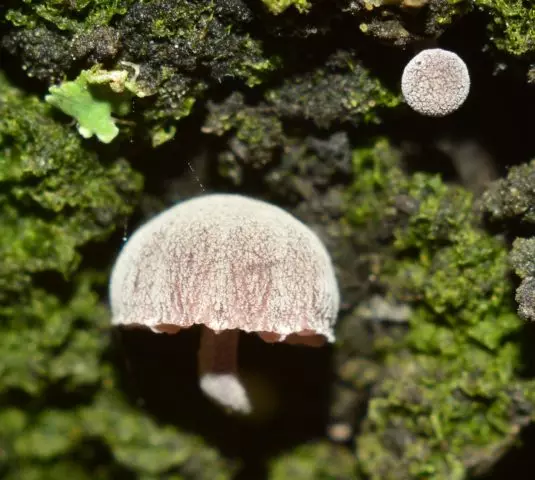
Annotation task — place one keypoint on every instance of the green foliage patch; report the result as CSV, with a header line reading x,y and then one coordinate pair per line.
x,y
62,410
453,396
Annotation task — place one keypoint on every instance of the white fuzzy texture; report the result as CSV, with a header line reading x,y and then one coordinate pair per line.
x,y
227,391
228,262
435,82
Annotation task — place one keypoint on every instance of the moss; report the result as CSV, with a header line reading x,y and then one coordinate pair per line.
x,y
60,346
508,203
452,397
513,24
512,198
444,418
70,16
62,407
319,460
259,132
343,91
445,12
279,6
55,196
51,36
256,132
191,36
523,257
178,48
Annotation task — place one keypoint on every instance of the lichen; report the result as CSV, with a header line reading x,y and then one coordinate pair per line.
x,y
508,204
512,198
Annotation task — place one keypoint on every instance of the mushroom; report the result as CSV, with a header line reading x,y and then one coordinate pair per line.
x,y
228,263
435,82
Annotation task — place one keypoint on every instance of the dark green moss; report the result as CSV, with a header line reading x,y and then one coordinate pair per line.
x,y
523,257
177,48
279,6
261,133
51,36
319,461
70,16
452,396
512,24
254,134
54,335
55,195
343,91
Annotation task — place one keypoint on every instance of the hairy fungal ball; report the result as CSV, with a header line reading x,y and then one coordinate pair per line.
x,y
228,263
435,82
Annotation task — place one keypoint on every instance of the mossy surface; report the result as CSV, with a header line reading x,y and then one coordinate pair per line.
x,y
296,102
316,460
56,198
178,48
453,396
512,23
509,202
69,16
279,6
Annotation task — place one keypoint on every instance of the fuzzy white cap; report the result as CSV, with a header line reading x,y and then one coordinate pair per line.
x,y
227,262
435,82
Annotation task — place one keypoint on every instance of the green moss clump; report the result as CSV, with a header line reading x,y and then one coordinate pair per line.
x,y
343,91
70,16
55,196
184,48
198,38
62,408
523,257
319,460
51,36
452,399
57,347
178,49
255,133
260,133
279,6
513,24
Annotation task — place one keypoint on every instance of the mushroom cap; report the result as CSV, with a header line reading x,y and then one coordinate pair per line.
x,y
227,262
435,82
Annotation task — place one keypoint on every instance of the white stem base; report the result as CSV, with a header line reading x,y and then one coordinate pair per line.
x,y
218,370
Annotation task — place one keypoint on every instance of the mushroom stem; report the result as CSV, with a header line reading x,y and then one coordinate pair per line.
x,y
218,370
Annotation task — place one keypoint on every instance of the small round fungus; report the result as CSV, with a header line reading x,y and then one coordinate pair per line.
x,y
435,82
228,263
